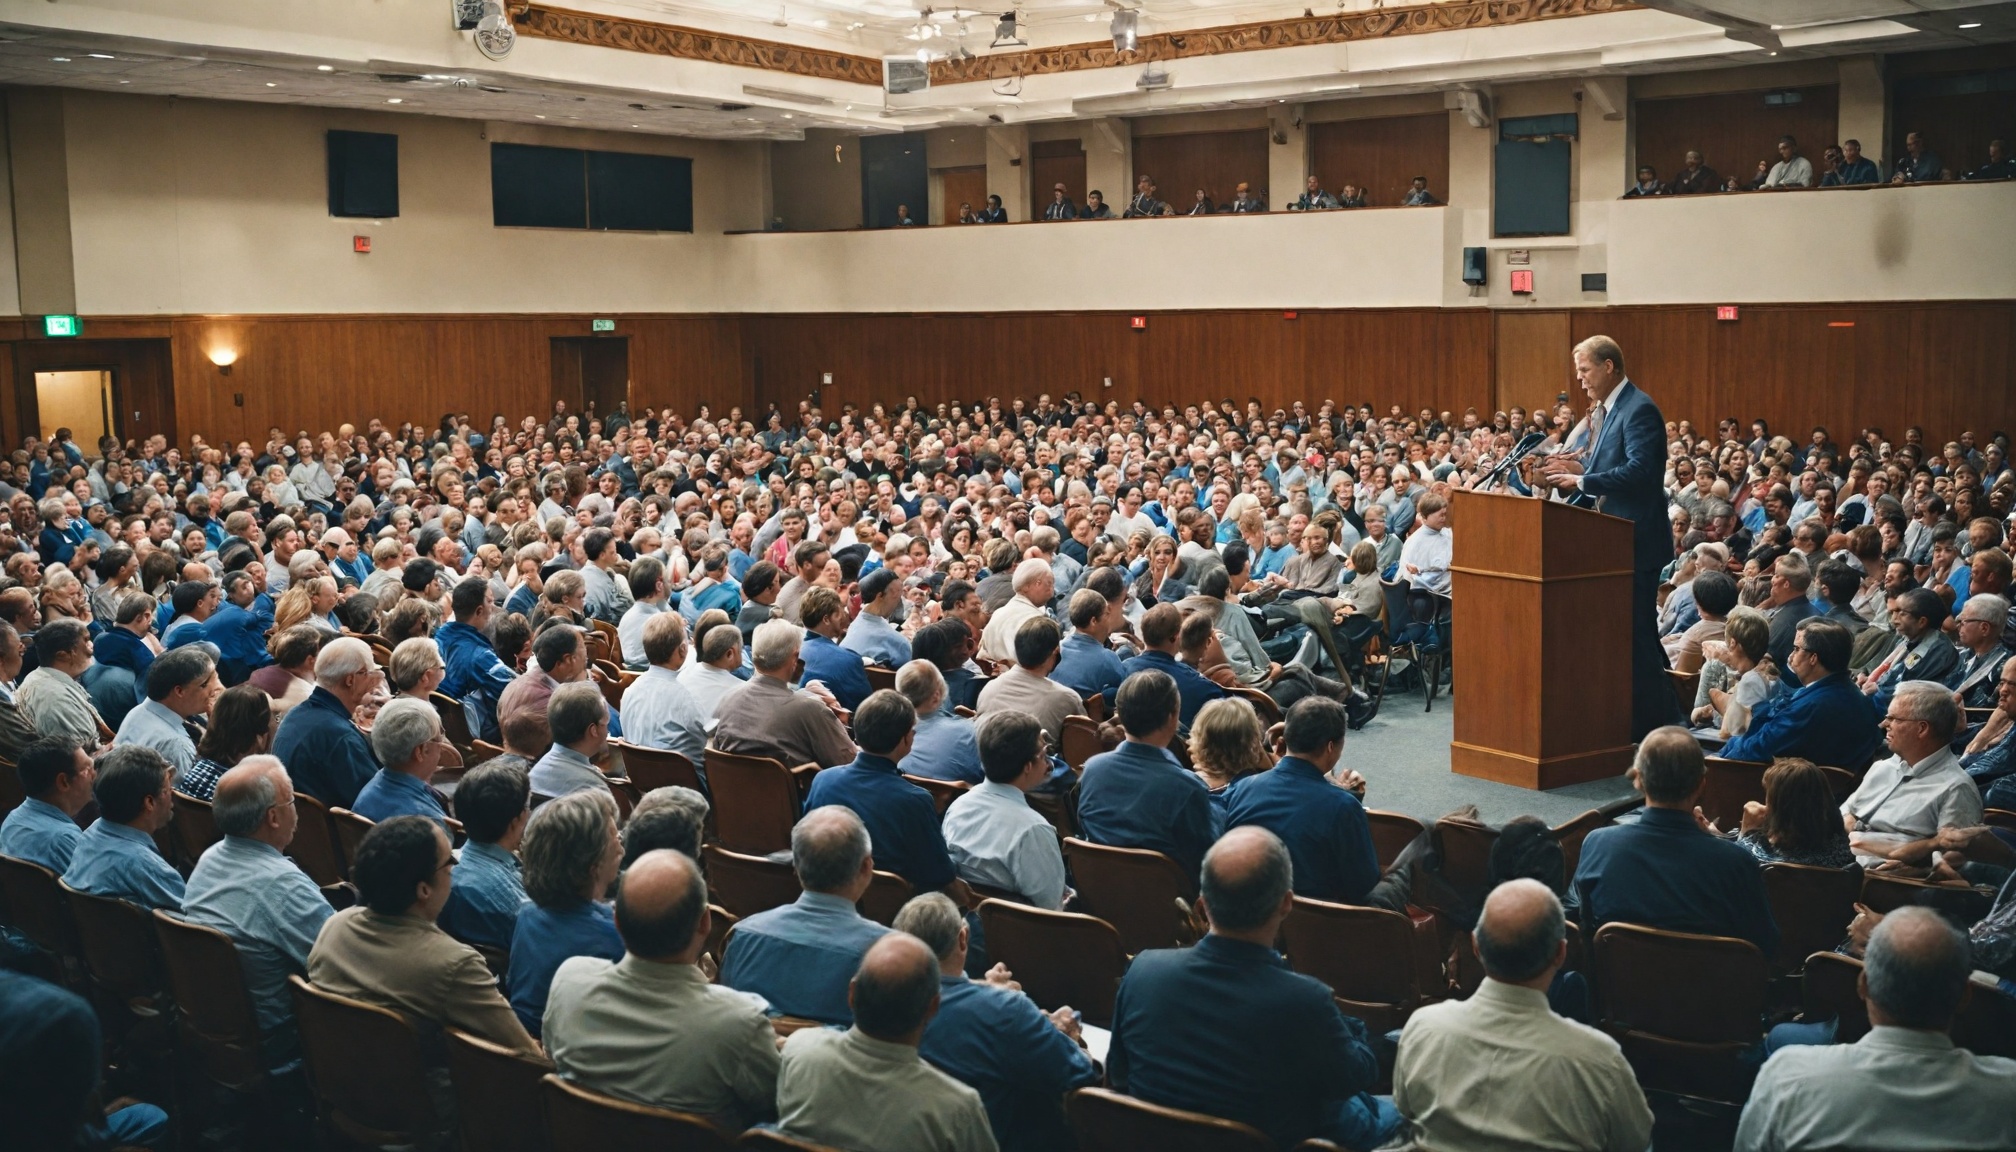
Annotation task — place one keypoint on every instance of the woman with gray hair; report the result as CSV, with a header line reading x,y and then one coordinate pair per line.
x,y
406,737
571,854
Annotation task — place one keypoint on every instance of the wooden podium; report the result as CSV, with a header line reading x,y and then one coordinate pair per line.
x,y
1542,625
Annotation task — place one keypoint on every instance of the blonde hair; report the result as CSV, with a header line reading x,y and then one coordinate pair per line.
x,y
1227,741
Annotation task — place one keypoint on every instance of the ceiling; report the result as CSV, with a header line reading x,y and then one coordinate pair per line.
x,y
398,59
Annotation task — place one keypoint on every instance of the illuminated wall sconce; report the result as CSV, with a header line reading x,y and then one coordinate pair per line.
x,y
223,358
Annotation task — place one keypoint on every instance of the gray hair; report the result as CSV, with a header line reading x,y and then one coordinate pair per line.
x,y
934,919
344,656
1931,702
1988,608
1670,764
775,644
669,817
238,811
412,659
403,727
1600,348
920,682
563,845
1032,572
1916,966
827,848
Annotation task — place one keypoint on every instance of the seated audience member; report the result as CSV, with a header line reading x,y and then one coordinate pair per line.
x,y
651,597
1792,170
1694,177
571,851
51,1060
1317,811
669,817
579,719
1085,664
1061,206
1787,607
290,679
993,213
1826,720
1243,201
1029,686
488,892
1903,801
1980,650
801,956
179,685
768,717
1418,195
873,635
716,672
1226,1029
1744,657
389,951
658,710
116,856
987,1034
944,746
1313,197
901,818
841,671
474,670
56,703
994,837
1227,744
1096,207
1991,754
648,1027
1035,585
1714,596
57,777
867,1087
1798,821
326,756
1139,795
1667,871
1352,197
1903,1085
244,887
2000,165
1648,183
406,737
1918,165
1162,633
1854,168
1922,653
1500,1069
1145,203
241,725
1840,585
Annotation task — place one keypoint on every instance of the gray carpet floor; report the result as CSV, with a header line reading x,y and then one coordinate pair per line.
x,y
1404,756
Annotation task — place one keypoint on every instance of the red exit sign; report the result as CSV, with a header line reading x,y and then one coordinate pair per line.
x,y
1138,323
360,244
1725,312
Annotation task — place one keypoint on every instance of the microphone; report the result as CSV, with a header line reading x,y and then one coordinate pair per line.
x,y
1524,448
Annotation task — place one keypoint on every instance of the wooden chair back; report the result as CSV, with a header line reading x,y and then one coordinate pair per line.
x,y
658,768
880,678
1080,742
943,792
1263,704
624,792
1841,782
771,1140
120,950
1369,958
1465,846
1106,1121
720,922
213,1005
1883,892
1812,907
499,1103
366,1068
1683,1007
1686,685
1060,809
1829,991
1570,835
1391,832
746,885
886,895
33,898
350,831
481,750
454,723
314,847
1059,958
1986,1025
577,1118
11,794
194,826
755,802
1727,785
1142,893
1999,818
1095,707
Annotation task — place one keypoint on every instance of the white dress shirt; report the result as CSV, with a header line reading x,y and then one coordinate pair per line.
x,y
1898,1089
996,838
1897,803
1429,550
659,712
707,685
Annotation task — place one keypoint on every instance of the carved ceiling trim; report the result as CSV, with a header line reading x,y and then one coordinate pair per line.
x,y
693,44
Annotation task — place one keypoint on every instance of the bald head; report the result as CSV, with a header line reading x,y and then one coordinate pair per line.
x,y
1915,970
661,908
1669,767
1520,936
1246,882
247,796
830,851
895,991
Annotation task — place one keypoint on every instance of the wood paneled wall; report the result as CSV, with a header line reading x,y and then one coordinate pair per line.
x,y
961,186
1732,131
1947,366
1213,161
1381,155
1054,162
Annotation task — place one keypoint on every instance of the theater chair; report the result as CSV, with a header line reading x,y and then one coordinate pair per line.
x,y
1684,1008
1059,958
1143,894
499,1102
580,1119
1106,1121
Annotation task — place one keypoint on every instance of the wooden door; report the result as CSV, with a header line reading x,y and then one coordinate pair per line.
x,y
1534,360
1054,162
963,186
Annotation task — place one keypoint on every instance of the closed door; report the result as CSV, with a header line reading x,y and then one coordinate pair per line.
x,y
963,186
79,400
1535,359
592,373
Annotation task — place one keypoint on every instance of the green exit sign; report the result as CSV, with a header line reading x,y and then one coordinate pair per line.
x,y
604,325
61,326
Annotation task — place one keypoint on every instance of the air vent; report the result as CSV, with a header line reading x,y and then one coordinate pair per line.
x,y
731,107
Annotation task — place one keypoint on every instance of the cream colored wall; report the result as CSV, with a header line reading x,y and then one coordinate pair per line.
x,y
39,175
10,276
816,182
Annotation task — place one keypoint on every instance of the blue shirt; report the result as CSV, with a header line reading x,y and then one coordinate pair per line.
x,y
1985,767
902,819
1139,796
1324,827
876,641
123,863
40,833
1196,690
1828,721
1225,1028
544,939
1272,560
155,725
249,891
393,793
1002,1045
485,895
1665,872
472,665
945,748
841,670
1085,666
241,645
326,756
801,957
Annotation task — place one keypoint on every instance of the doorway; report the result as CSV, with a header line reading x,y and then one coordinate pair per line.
x,y
592,373
963,186
79,399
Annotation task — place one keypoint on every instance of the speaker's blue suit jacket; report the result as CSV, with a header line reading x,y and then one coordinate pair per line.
x,y
1625,469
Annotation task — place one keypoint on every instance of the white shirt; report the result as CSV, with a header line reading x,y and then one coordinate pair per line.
x,y
1899,1089
658,712
707,685
1429,550
998,641
1897,803
1794,173
996,838
630,631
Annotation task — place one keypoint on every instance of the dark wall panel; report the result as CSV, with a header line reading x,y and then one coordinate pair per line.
x,y
1213,161
1054,162
1381,155
1732,131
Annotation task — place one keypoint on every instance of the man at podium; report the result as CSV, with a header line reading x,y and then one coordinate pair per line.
x,y
1622,467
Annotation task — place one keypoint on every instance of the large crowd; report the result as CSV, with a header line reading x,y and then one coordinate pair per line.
x,y
455,630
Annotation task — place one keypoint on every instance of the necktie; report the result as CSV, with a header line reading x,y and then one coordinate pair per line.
x,y
1595,429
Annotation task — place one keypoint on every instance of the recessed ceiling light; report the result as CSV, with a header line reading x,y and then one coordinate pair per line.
x,y
1976,24
538,115
636,125
324,68
271,84
787,115
101,56
59,59
394,100
125,81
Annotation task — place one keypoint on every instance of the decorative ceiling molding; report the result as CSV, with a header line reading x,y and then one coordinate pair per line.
x,y
1377,24
693,44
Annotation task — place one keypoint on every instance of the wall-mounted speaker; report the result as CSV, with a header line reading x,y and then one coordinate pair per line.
x,y
1473,266
363,174
1595,282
